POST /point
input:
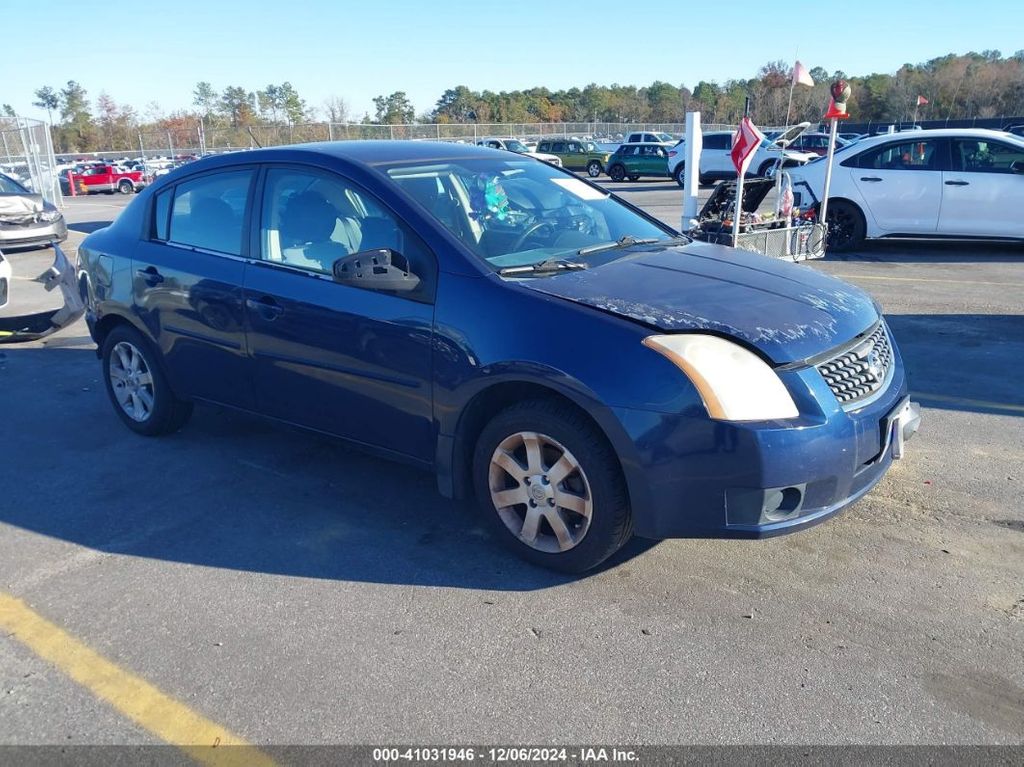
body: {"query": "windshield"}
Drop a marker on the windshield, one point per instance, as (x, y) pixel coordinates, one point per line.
(10, 186)
(517, 212)
(516, 146)
(664, 137)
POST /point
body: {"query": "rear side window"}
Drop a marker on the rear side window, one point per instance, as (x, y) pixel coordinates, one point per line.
(208, 212)
(717, 141)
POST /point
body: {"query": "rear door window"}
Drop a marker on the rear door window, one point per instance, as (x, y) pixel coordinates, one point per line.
(209, 212)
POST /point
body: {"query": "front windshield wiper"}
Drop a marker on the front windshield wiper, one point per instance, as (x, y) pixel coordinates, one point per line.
(626, 241)
(547, 265)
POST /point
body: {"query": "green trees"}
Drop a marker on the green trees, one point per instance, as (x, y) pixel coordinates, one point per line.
(394, 109)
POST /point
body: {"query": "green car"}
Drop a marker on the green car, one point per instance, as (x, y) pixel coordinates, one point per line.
(576, 155)
(635, 160)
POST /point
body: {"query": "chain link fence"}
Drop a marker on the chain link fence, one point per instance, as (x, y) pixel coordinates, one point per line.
(197, 139)
(28, 156)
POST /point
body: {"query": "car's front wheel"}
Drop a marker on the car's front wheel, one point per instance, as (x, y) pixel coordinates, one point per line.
(617, 173)
(137, 387)
(846, 226)
(767, 169)
(594, 169)
(551, 486)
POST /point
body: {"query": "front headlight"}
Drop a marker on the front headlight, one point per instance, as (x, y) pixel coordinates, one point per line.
(49, 215)
(735, 384)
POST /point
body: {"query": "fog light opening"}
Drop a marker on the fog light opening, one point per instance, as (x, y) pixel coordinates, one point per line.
(781, 503)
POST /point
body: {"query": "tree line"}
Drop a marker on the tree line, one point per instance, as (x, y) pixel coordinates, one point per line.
(982, 84)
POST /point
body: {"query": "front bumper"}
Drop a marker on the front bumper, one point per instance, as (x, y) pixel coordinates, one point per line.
(694, 477)
(31, 327)
(32, 235)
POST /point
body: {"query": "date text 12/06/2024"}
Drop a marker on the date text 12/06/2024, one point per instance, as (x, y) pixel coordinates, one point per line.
(497, 755)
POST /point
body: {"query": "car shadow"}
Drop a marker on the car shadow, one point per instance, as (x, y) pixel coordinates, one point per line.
(233, 491)
(968, 362)
(933, 251)
(88, 227)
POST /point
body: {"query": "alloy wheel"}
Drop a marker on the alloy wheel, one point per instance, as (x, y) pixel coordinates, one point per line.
(131, 381)
(540, 492)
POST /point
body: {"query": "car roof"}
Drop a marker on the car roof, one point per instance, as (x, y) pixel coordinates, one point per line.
(365, 153)
(981, 133)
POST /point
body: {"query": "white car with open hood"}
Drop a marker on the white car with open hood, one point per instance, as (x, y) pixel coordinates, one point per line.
(716, 159)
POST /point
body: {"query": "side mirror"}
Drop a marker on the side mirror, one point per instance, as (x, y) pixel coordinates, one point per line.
(378, 269)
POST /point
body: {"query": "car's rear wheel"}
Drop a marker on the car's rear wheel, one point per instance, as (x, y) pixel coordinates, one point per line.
(551, 486)
(126, 187)
(594, 169)
(617, 173)
(680, 174)
(137, 387)
(846, 226)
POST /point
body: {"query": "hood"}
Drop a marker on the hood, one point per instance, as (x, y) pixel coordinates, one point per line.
(788, 312)
(20, 208)
(791, 134)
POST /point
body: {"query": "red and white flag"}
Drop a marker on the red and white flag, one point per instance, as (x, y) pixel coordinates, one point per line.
(801, 76)
(744, 143)
(921, 101)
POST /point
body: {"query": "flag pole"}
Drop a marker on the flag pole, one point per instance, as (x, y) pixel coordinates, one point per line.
(740, 173)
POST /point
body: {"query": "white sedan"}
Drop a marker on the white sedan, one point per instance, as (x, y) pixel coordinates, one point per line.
(716, 155)
(956, 183)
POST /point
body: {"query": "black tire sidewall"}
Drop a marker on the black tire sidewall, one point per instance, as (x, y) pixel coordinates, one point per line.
(617, 173)
(591, 166)
(679, 173)
(856, 238)
(165, 405)
(610, 525)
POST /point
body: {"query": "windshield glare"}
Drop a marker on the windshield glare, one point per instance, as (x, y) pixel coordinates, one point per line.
(519, 211)
(10, 186)
(516, 146)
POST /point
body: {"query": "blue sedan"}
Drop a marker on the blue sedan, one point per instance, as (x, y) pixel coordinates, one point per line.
(578, 368)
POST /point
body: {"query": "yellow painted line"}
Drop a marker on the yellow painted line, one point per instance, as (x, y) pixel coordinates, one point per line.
(168, 719)
(970, 402)
(925, 279)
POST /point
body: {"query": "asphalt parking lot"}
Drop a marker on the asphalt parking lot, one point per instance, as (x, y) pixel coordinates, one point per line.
(288, 589)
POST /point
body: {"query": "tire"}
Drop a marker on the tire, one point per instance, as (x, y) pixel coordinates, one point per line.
(767, 169)
(680, 172)
(594, 169)
(596, 521)
(846, 226)
(137, 386)
(125, 187)
(634, 178)
(617, 173)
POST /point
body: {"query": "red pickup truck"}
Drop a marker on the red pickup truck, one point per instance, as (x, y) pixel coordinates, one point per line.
(110, 179)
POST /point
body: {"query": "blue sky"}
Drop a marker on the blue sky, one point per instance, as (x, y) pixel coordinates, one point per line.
(357, 50)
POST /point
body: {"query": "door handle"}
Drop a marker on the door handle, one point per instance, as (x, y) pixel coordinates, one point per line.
(958, 183)
(870, 178)
(150, 275)
(266, 307)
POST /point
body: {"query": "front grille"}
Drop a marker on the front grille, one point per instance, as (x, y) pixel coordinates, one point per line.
(858, 373)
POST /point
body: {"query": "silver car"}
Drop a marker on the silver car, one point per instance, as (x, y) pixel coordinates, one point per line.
(26, 219)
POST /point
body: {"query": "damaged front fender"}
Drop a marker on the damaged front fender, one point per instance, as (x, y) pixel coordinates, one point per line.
(31, 327)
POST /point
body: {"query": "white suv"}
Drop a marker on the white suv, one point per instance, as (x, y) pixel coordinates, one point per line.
(716, 160)
(656, 137)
